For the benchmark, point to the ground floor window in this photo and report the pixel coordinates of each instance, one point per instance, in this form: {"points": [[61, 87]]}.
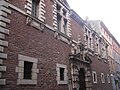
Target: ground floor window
{"points": [[108, 78], [27, 70], [102, 77], [62, 77], [94, 75]]}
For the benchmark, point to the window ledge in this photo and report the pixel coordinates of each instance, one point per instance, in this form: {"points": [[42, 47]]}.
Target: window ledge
{"points": [[26, 82], [63, 37], [62, 82], [36, 23], [94, 82]]}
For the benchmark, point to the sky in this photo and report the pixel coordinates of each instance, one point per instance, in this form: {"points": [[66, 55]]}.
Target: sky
{"points": [[106, 10]]}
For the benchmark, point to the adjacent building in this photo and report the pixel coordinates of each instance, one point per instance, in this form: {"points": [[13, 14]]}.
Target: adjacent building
{"points": [[113, 50]]}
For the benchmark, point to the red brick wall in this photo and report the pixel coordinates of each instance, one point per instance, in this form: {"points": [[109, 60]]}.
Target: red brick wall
{"points": [[19, 3], [49, 12], [26, 40], [100, 67], [76, 30]]}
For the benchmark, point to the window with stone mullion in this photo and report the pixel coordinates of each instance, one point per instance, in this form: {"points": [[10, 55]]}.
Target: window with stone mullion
{"points": [[61, 19], [35, 5]]}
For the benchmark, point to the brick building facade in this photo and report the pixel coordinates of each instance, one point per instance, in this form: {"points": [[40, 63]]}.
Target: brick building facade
{"points": [[44, 45], [113, 51]]}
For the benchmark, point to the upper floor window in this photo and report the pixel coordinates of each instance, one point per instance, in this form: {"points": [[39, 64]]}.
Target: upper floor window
{"points": [[58, 21], [88, 38], [64, 12], [65, 26], [35, 7], [90, 43], [97, 47], [61, 19]]}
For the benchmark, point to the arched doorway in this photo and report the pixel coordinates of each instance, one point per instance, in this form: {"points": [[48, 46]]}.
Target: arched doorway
{"points": [[81, 76]]}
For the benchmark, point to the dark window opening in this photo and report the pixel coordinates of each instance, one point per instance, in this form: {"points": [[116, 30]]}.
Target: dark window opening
{"points": [[35, 4], [65, 26], [86, 30], [58, 21], [28, 70], [58, 7], [94, 77], [64, 12], [89, 33], [62, 74], [86, 38], [97, 47], [90, 43]]}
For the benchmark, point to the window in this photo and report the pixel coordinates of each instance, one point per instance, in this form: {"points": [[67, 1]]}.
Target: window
{"points": [[59, 22], [35, 7], [62, 19], [65, 26], [97, 47], [102, 78], [108, 78], [64, 12], [61, 74], [88, 33], [94, 75], [58, 7], [86, 30], [87, 38], [28, 70], [90, 40]]}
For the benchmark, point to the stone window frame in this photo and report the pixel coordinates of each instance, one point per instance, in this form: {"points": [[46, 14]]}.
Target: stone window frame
{"points": [[97, 44], [108, 78], [40, 8], [94, 73], [88, 37], [58, 66], [102, 78], [20, 70], [64, 17]]}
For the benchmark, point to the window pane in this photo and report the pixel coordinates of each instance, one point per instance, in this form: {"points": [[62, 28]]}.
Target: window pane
{"points": [[65, 26], [58, 21], [62, 74], [35, 4], [95, 77], [28, 70], [58, 8]]}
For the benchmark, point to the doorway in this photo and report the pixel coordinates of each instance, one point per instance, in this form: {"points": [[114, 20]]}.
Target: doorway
{"points": [[82, 84]]}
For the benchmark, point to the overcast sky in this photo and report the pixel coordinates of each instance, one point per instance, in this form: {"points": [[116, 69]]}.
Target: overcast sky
{"points": [[106, 10]]}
